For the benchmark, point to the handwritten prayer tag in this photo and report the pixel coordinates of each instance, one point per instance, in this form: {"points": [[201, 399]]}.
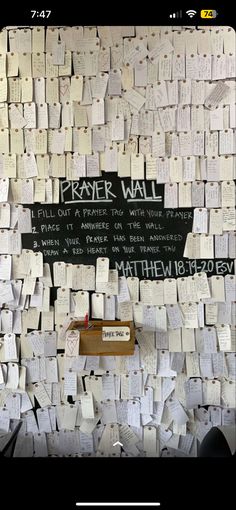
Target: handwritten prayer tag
{"points": [[72, 343]]}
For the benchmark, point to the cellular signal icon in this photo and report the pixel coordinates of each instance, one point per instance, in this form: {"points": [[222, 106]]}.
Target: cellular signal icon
{"points": [[177, 14]]}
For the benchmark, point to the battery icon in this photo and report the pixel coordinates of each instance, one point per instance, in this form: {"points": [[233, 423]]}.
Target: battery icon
{"points": [[208, 14]]}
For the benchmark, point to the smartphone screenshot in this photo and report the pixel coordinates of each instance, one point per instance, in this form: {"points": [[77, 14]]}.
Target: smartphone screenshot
{"points": [[117, 256]]}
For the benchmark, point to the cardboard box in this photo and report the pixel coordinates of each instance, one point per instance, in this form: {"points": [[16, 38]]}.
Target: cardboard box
{"points": [[92, 344]]}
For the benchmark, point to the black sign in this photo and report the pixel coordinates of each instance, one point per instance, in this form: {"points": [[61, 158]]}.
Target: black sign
{"points": [[121, 219]]}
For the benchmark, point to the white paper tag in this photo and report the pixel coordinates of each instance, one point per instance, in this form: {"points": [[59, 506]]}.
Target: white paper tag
{"points": [[216, 95], [117, 333]]}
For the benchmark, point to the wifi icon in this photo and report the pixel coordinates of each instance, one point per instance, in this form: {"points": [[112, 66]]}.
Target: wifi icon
{"points": [[191, 13]]}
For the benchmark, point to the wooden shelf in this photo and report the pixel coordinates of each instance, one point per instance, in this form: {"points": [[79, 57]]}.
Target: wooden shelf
{"points": [[91, 343]]}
